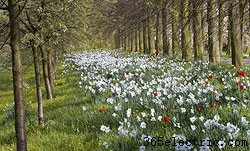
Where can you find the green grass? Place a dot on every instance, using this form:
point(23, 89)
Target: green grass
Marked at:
point(66, 125)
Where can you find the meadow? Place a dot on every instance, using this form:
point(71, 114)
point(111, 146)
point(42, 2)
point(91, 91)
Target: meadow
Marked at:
point(116, 101)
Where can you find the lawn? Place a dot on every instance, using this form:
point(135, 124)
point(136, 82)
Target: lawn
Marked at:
point(114, 101)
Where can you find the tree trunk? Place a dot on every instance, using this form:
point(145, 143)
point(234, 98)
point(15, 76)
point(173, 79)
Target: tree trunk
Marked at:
point(125, 43)
point(21, 144)
point(144, 37)
point(136, 39)
point(157, 33)
point(149, 32)
point(213, 45)
point(45, 73)
point(229, 30)
point(174, 28)
point(220, 24)
point(185, 30)
point(140, 38)
point(197, 37)
point(165, 45)
point(131, 41)
point(38, 84)
point(50, 69)
point(236, 43)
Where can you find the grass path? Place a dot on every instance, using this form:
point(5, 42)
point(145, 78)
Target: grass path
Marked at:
point(67, 127)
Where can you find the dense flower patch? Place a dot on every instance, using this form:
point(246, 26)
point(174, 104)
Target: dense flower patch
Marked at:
point(144, 98)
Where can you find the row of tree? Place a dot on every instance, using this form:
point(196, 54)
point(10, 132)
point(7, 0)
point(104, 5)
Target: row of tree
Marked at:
point(44, 29)
point(182, 26)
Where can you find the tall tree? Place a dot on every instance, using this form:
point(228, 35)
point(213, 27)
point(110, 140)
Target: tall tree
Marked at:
point(236, 40)
point(197, 30)
point(38, 82)
point(157, 20)
point(165, 45)
point(13, 9)
point(213, 45)
point(175, 40)
point(185, 29)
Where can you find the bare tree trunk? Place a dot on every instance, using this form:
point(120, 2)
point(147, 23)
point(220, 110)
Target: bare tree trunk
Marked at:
point(197, 37)
point(144, 37)
point(125, 43)
point(140, 38)
point(21, 144)
point(236, 43)
point(50, 69)
point(157, 33)
point(38, 84)
point(229, 30)
point(165, 46)
point(213, 45)
point(220, 24)
point(175, 40)
point(136, 39)
point(185, 30)
point(149, 32)
point(45, 73)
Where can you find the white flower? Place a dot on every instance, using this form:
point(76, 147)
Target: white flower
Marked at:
point(216, 117)
point(105, 129)
point(152, 112)
point(138, 118)
point(114, 114)
point(142, 148)
point(143, 114)
point(143, 125)
point(248, 132)
point(183, 110)
point(244, 121)
point(106, 144)
point(159, 118)
point(129, 112)
point(221, 144)
point(133, 133)
point(84, 108)
point(118, 107)
point(201, 118)
point(192, 119)
point(153, 119)
point(111, 100)
point(193, 127)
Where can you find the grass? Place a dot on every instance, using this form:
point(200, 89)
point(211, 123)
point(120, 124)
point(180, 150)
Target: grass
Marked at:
point(66, 125)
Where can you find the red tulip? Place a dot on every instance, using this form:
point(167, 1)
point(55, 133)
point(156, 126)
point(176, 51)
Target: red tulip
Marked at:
point(242, 73)
point(166, 118)
point(212, 105)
